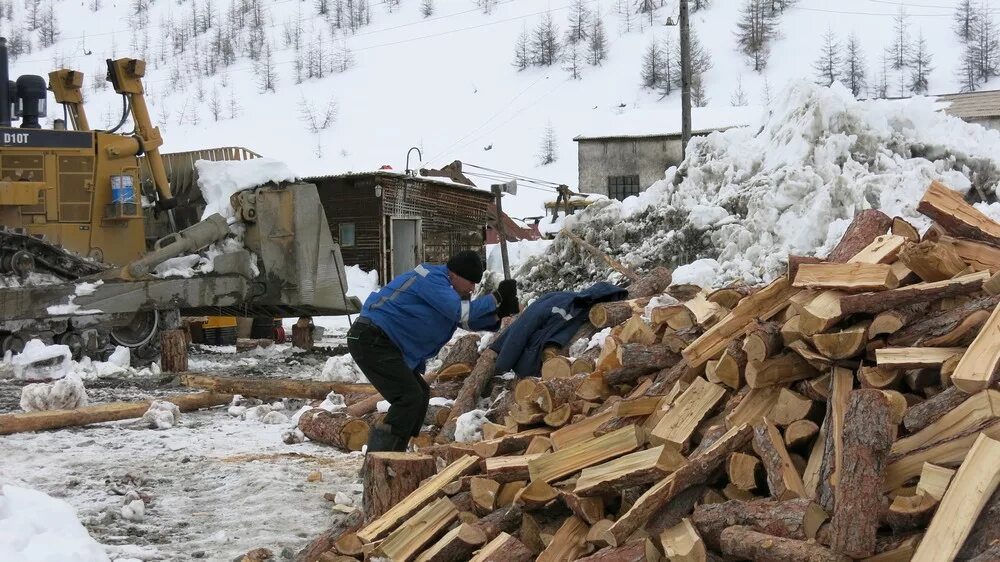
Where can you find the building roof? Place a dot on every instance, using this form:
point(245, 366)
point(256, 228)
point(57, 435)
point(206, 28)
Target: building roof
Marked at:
point(652, 121)
point(650, 136)
point(972, 105)
point(440, 181)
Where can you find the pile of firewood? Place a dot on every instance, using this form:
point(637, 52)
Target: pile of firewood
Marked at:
point(844, 411)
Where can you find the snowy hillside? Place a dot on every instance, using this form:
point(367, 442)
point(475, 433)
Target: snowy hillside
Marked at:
point(444, 83)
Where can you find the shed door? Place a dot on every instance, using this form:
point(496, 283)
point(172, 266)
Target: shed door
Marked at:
point(406, 251)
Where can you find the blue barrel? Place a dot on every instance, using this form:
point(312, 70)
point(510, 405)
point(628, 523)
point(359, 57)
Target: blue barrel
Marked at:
point(116, 189)
point(127, 194)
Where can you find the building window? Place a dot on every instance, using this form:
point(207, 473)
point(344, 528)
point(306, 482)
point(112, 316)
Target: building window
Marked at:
point(346, 234)
point(620, 187)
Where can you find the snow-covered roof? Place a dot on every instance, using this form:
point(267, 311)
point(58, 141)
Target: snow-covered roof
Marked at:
point(662, 124)
point(972, 105)
point(445, 182)
point(663, 135)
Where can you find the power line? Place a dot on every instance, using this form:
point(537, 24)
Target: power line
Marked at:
point(825, 11)
point(510, 174)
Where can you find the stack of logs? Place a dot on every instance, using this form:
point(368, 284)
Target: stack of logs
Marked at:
point(847, 410)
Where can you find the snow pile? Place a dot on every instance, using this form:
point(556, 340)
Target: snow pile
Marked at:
point(38, 361)
point(361, 283)
point(701, 272)
point(134, 510)
point(747, 197)
point(333, 402)
point(517, 253)
point(66, 393)
point(469, 426)
point(220, 180)
point(270, 414)
point(342, 368)
point(440, 401)
point(82, 289)
point(35, 527)
point(382, 406)
point(162, 415)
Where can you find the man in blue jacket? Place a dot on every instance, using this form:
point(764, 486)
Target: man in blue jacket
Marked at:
point(408, 322)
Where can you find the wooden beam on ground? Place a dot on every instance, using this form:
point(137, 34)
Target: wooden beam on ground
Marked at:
point(98, 413)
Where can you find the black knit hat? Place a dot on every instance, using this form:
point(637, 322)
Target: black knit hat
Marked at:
point(467, 265)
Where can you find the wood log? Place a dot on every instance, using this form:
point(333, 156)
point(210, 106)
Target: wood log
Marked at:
point(557, 367)
point(334, 428)
point(978, 367)
point(881, 301)
point(756, 404)
point(971, 488)
point(411, 537)
point(682, 543)
point(795, 261)
point(568, 460)
point(799, 434)
point(847, 277)
point(302, 333)
point(763, 340)
point(638, 551)
point(934, 326)
point(929, 411)
point(950, 211)
point(816, 388)
point(866, 227)
point(868, 435)
point(892, 321)
point(173, 351)
point(879, 378)
point(932, 261)
point(798, 518)
point(677, 425)
point(791, 330)
point(530, 534)
point(698, 470)
point(509, 468)
point(843, 344)
point(915, 357)
point(778, 370)
point(907, 513)
point(380, 527)
point(651, 283)
point(472, 389)
point(977, 409)
point(635, 360)
point(901, 227)
point(508, 444)
point(484, 495)
point(535, 496)
point(783, 480)
point(569, 542)
point(742, 470)
point(729, 368)
point(790, 407)
point(504, 548)
point(506, 519)
point(613, 313)
point(980, 256)
point(628, 471)
point(455, 546)
point(636, 330)
point(98, 413)
point(389, 477)
point(590, 510)
point(745, 543)
point(464, 351)
point(841, 383)
point(273, 388)
point(985, 532)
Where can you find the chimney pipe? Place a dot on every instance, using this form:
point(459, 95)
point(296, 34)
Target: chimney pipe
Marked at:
point(4, 85)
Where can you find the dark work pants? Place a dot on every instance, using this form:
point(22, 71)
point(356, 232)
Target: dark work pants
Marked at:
point(379, 359)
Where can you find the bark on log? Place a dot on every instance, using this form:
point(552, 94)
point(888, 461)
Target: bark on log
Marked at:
point(504, 548)
point(325, 542)
point(334, 428)
point(931, 326)
point(881, 301)
point(302, 333)
point(868, 436)
point(639, 551)
point(929, 411)
point(389, 477)
point(864, 229)
point(273, 388)
point(456, 545)
point(650, 284)
point(841, 382)
point(678, 508)
point(795, 261)
point(783, 480)
point(503, 520)
point(472, 389)
point(465, 350)
point(907, 513)
point(607, 314)
point(792, 519)
point(638, 360)
point(744, 542)
point(113, 411)
point(666, 378)
point(985, 532)
point(763, 340)
point(173, 351)
point(952, 213)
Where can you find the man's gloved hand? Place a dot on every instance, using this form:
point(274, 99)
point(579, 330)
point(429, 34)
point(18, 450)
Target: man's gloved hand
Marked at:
point(506, 296)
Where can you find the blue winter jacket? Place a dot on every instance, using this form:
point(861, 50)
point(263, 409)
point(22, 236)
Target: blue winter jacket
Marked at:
point(550, 320)
point(420, 310)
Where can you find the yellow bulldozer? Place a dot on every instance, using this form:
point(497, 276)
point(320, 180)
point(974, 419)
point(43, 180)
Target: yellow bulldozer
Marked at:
point(78, 205)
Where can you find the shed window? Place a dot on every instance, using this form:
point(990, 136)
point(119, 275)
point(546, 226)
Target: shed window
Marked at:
point(346, 234)
point(620, 187)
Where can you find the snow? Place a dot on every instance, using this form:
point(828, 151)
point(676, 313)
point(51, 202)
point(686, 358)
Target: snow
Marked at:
point(162, 415)
point(70, 308)
point(83, 289)
point(66, 393)
point(382, 406)
point(597, 340)
point(121, 357)
point(440, 401)
point(699, 272)
point(38, 361)
point(517, 253)
point(469, 426)
point(134, 510)
point(35, 527)
point(220, 180)
point(342, 368)
point(333, 402)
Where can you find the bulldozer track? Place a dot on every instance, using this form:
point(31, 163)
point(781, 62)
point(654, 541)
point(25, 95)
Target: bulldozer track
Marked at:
point(47, 257)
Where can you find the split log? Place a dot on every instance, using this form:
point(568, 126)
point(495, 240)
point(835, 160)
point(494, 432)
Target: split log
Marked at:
point(678, 340)
point(881, 301)
point(678, 424)
point(763, 340)
point(508, 444)
point(569, 542)
point(907, 513)
point(326, 541)
point(799, 434)
point(756, 404)
point(389, 477)
point(334, 428)
point(504, 548)
point(900, 227)
point(745, 543)
point(841, 383)
point(578, 432)
point(405, 542)
point(742, 470)
point(843, 344)
point(985, 532)
point(273, 388)
point(650, 284)
point(791, 330)
point(790, 408)
point(932, 261)
point(950, 211)
point(929, 411)
point(847, 277)
point(472, 389)
point(465, 351)
point(173, 351)
point(509, 468)
point(971, 488)
point(879, 378)
point(535, 496)
point(794, 262)
point(892, 321)
point(638, 551)
point(978, 367)
point(729, 369)
point(636, 360)
point(916, 357)
point(302, 333)
point(783, 480)
point(933, 326)
point(456, 545)
point(868, 435)
point(636, 330)
point(484, 495)
point(628, 471)
point(98, 413)
point(504, 520)
point(867, 226)
point(590, 510)
point(568, 460)
point(557, 367)
point(817, 388)
point(798, 518)
point(778, 370)
point(980, 256)
point(682, 543)
point(729, 297)
point(699, 469)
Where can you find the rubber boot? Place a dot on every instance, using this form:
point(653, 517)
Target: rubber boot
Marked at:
point(381, 438)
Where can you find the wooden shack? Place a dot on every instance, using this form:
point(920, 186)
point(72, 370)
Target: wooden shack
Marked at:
point(390, 222)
